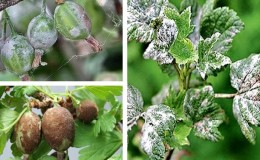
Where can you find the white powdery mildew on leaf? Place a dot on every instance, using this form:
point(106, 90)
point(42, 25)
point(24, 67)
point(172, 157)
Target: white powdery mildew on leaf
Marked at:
point(159, 125)
point(158, 48)
point(160, 55)
point(151, 143)
point(245, 77)
point(207, 115)
point(141, 14)
point(224, 21)
point(167, 33)
point(210, 61)
point(134, 105)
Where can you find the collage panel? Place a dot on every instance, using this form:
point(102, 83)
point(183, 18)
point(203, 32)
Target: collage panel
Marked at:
point(193, 76)
point(61, 122)
point(61, 40)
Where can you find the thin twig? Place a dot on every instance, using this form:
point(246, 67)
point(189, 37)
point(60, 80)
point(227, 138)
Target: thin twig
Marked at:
point(225, 95)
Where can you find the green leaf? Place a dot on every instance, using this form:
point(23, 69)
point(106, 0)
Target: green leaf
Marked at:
point(105, 123)
point(143, 19)
point(210, 61)
point(7, 117)
point(22, 91)
point(157, 130)
point(134, 105)
point(183, 21)
point(16, 151)
point(83, 134)
point(3, 140)
point(116, 157)
point(46, 157)
point(12, 102)
point(205, 113)
point(208, 7)
point(2, 90)
point(183, 51)
point(190, 3)
point(245, 78)
point(104, 92)
point(41, 150)
point(101, 147)
point(181, 132)
point(226, 22)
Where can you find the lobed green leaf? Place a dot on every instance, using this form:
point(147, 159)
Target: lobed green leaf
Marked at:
point(245, 78)
point(143, 18)
point(134, 105)
point(226, 22)
point(206, 114)
point(157, 129)
point(210, 61)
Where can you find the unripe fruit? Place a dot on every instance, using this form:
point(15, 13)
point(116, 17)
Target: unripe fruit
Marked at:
point(17, 54)
point(72, 21)
point(41, 32)
point(87, 111)
point(28, 132)
point(58, 128)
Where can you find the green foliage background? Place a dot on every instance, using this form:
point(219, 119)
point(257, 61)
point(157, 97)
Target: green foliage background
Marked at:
point(148, 78)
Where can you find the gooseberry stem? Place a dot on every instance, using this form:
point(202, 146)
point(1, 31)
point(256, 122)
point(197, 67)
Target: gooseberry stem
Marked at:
point(5, 14)
point(43, 6)
point(60, 155)
point(25, 156)
point(4, 23)
point(95, 45)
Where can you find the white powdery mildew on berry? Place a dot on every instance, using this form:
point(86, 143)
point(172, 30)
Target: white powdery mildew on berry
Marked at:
point(141, 13)
point(134, 105)
point(75, 32)
point(207, 116)
point(245, 77)
point(159, 124)
point(160, 55)
point(167, 33)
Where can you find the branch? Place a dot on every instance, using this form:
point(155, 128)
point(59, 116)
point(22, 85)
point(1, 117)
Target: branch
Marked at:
point(7, 3)
point(223, 95)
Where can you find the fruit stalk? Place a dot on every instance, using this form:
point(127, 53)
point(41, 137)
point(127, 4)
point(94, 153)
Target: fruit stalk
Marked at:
point(60, 155)
point(25, 77)
point(95, 45)
point(26, 157)
point(6, 16)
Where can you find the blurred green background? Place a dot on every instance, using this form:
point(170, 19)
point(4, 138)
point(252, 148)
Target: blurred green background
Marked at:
point(72, 60)
point(148, 78)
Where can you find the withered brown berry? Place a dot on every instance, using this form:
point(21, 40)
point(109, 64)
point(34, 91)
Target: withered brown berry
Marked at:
point(58, 128)
point(87, 111)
